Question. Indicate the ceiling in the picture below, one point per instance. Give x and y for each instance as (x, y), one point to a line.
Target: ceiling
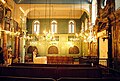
(54, 8)
(53, 1)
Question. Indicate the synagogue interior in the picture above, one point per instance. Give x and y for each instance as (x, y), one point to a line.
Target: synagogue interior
(60, 40)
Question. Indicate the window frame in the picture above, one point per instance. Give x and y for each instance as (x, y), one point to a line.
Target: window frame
(69, 28)
(103, 3)
(54, 29)
(37, 28)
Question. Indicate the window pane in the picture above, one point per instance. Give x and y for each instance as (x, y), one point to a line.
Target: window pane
(54, 27)
(36, 27)
(71, 27)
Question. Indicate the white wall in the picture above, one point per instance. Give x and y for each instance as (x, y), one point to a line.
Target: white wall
(117, 4)
(103, 48)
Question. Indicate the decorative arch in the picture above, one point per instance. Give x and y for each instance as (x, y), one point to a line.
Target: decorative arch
(74, 50)
(29, 54)
(37, 8)
(35, 48)
(31, 49)
(86, 11)
(52, 50)
(28, 10)
(86, 24)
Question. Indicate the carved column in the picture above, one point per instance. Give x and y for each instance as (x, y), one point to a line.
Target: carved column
(5, 45)
(16, 46)
(22, 41)
(109, 44)
(22, 49)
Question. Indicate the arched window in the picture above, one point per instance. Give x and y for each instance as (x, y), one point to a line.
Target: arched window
(103, 3)
(36, 27)
(117, 4)
(54, 26)
(71, 28)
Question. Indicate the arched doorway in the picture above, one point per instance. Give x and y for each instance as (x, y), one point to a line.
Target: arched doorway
(29, 54)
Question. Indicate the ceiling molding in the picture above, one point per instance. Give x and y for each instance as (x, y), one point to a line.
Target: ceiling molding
(53, 1)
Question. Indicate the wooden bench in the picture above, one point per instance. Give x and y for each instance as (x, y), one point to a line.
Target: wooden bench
(83, 72)
(14, 78)
(50, 65)
(89, 60)
(21, 71)
(50, 72)
(87, 79)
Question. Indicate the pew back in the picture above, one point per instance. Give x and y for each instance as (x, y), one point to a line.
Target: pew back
(50, 72)
(50, 65)
(13, 78)
(83, 72)
(20, 71)
(87, 79)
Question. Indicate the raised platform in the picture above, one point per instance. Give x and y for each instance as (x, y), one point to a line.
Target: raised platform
(40, 60)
